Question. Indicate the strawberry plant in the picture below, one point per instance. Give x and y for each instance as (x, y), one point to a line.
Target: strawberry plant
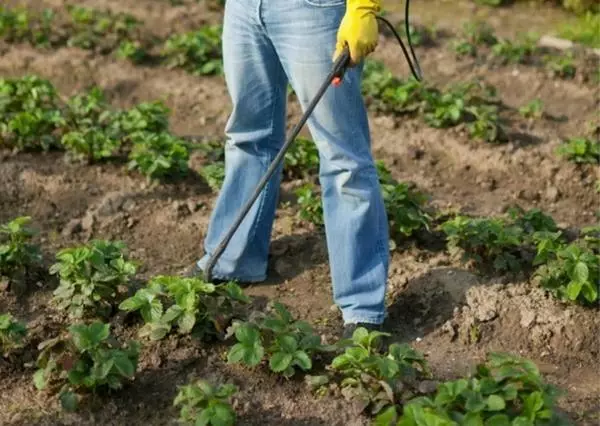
(515, 52)
(485, 124)
(378, 380)
(17, 254)
(571, 271)
(145, 117)
(203, 403)
(444, 109)
(91, 144)
(385, 93)
(580, 150)
(29, 113)
(586, 29)
(311, 206)
(561, 66)
(302, 159)
(485, 240)
(504, 390)
(192, 305)
(475, 34)
(158, 155)
(92, 277)
(88, 133)
(480, 33)
(404, 206)
(532, 109)
(198, 52)
(133, 51)
(12, 334)
(464, 48)
(214, 175)
(87, 358)
(92, 28)
(533, 220)
(287, 343)
(20, 25)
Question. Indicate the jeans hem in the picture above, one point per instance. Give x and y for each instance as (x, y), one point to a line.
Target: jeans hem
(377, 320)
(245, 279)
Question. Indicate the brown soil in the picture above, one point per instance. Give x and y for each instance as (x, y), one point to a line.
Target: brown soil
(450, 312)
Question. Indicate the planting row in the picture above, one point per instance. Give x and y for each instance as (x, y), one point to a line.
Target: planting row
(199, 51)
(96, 280)
(474, 103)
(113, 33)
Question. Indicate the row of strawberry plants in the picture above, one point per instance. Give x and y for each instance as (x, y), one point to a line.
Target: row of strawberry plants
(198, 52)
(473, 103)
(96, 281)
(478, 40)
(34, 118)
(504, 390)
(568, 268)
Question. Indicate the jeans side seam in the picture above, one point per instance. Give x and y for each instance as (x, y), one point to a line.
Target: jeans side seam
(266, 191)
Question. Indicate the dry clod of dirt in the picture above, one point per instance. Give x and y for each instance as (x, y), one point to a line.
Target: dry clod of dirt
(73, 227)
(483, 302)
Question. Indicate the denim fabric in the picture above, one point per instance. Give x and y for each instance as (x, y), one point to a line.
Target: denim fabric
(267, 43)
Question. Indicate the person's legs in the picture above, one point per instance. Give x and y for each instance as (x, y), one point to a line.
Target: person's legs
(255, 132)
(304, 35)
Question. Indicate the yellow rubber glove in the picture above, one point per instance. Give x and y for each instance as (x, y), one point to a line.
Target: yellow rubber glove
(358, 29)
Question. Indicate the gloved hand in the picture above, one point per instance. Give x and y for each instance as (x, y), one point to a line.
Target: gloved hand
(358, 29)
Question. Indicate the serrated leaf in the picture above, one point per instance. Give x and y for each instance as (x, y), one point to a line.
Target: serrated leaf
(222, 414)
(186, 322)
(302, 359)
(124, 365)
(280, 361)
(495, 403)
(581, 272)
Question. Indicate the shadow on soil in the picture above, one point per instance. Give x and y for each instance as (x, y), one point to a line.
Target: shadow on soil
(428, 301)
(291, 255)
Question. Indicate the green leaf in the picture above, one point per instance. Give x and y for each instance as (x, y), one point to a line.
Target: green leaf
(533, 403)
(236, 353)
(68, 400)
(171, 314)
(39, 379)
(302, 359)
(573, 289)
(247, 334)
(581, 272)
(589, 292)
(186, 322)
(222, 415)
(472, 419)
(498, 420)
(387, 417)
(361, 336)
(280, 361)
(287, 343)
(132, 304)
(250, 355)
(124, 365)
(495, 403)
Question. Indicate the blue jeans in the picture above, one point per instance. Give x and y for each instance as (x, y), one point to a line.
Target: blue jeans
(266, 44)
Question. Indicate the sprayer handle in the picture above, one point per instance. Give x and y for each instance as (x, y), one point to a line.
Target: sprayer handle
(340, 65)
